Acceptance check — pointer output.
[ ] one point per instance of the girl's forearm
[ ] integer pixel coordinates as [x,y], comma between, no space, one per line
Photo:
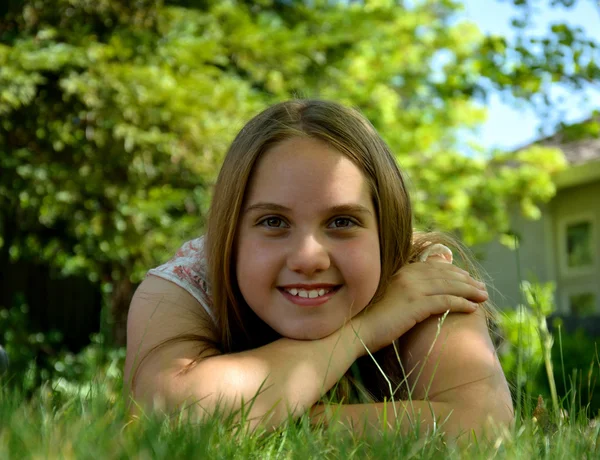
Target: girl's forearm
[378,417]
[282,378]
[399,416]
[453,419]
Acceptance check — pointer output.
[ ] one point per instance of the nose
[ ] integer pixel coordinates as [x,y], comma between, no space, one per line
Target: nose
[308,256]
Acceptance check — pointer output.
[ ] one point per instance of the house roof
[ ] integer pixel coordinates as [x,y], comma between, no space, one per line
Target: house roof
[580,142]
[580,174]
[576,152]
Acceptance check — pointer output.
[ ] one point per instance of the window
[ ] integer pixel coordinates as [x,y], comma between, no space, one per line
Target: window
[577,243]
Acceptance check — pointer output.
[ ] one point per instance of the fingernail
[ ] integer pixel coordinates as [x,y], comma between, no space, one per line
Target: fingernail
[480,284]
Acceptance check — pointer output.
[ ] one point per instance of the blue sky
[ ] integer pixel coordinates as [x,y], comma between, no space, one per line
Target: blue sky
[508,127]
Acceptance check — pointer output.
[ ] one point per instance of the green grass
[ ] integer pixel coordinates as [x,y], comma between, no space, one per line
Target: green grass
[94,424]
[66,419]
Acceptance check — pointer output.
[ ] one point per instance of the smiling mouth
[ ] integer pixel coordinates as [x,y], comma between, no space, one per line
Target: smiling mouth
[309,293]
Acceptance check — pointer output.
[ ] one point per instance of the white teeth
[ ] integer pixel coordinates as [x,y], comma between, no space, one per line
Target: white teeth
[312,294]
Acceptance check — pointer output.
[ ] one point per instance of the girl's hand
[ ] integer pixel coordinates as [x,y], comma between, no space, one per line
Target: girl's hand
[418,291]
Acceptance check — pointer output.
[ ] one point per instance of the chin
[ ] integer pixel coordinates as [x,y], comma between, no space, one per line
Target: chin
[313,334]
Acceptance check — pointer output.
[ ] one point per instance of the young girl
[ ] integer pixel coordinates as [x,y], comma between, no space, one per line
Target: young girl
[309,283]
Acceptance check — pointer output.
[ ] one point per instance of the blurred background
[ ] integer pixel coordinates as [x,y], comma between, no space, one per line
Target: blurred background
[115,116]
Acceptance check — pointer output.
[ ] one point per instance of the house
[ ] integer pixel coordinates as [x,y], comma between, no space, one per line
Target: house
[564,245]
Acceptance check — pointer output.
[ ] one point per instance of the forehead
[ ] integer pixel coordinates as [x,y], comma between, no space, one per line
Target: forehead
[305,170]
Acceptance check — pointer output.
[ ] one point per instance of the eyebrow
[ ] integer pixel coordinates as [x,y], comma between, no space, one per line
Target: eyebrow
[338,209]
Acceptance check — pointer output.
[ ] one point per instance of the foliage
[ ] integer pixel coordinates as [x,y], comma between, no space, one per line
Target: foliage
[564,55]
[114,117]
[577,369]
[39,359]
[589,129]
[520,342]
[527,341]
[31,354]
[95,368]
[562,366]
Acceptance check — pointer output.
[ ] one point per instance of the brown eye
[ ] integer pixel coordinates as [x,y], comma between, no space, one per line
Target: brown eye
[342,222]
[273,222]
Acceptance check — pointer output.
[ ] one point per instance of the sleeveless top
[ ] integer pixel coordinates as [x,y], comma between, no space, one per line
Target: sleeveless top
[188,269]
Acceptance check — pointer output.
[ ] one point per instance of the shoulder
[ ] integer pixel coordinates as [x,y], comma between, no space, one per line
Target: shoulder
[189,263]
[167,331]
[189,270]
[455,360]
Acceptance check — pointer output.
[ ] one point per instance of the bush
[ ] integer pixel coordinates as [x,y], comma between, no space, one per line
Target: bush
[521,352]
[95,367]
[576,371]
[31,354]
[532,357]
[40,360]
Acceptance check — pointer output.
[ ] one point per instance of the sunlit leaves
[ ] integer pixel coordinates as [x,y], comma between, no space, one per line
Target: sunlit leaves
[526,66]
[115,115]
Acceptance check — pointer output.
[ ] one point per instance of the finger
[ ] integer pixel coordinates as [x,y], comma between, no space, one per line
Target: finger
[443,264]
[440,251]
[453,287]
[431,263]
[445,267]
[431,270]
[444,303]
[440,304]
[437,258]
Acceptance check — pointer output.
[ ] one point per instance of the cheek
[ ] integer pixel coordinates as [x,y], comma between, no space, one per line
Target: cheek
[255,266]
[363,270]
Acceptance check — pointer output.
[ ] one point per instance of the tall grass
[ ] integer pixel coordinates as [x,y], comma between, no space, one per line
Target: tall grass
[91,421]
[94,425]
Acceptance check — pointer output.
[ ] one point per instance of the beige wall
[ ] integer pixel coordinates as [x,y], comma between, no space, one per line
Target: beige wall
[539,255]
[506,267]
[573,205]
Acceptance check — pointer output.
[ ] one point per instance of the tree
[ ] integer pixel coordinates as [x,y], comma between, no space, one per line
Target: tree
[564,55]
[115,115]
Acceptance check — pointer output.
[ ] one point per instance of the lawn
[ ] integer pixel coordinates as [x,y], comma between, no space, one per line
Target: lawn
[90,421]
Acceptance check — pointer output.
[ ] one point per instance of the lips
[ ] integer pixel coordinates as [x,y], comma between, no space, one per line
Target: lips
[309,295]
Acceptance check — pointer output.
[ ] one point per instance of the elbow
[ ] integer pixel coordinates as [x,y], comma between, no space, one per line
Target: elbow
[482,412]
[484,421]
[219,389]
[499,407]
[213,389]
[486,409]
[497,416]
[151,396]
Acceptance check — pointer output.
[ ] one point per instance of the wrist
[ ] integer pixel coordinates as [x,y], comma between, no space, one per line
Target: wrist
[317,415]
[354,337]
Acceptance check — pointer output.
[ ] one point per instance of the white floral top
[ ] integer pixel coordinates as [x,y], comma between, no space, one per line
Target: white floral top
[188,269]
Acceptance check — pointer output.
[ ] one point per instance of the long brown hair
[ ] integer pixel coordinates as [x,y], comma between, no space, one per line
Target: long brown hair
[349,133]
[346,130]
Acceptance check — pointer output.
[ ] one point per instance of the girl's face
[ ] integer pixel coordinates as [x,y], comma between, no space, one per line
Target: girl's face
[308,247]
